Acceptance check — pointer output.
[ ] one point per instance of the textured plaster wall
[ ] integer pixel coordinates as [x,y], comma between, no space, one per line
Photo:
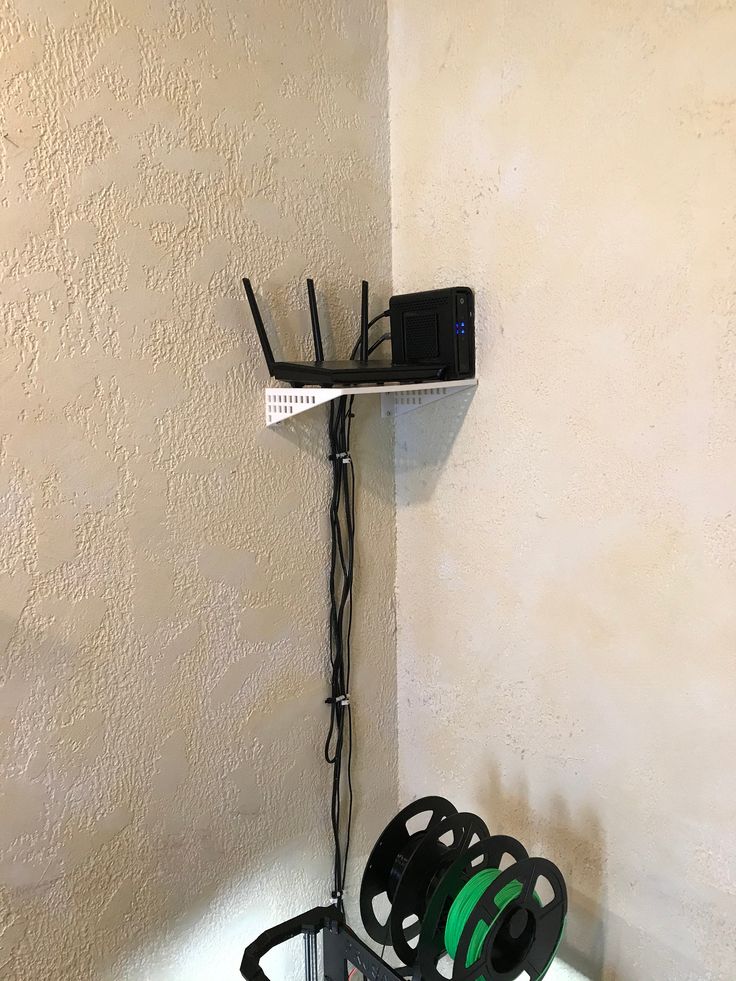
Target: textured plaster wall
[163,558]
[566,572]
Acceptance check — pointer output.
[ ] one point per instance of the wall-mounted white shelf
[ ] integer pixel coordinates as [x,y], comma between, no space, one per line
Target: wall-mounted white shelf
[284,403]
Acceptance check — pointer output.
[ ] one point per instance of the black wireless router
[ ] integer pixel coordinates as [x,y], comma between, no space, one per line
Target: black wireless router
[427,339]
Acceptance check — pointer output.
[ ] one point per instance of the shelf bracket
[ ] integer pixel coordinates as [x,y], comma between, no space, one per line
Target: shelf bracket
[399,403]
[284,403]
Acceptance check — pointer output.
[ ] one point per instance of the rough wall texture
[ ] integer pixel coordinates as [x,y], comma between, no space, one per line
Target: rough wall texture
[163,557]
[567,538]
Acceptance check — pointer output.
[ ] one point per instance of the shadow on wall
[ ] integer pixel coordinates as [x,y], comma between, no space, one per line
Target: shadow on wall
[370,446]
[575,843]
[419,462]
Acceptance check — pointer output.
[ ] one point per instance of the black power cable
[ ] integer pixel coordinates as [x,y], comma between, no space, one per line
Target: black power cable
[378,343]
[356,348]
[339,741]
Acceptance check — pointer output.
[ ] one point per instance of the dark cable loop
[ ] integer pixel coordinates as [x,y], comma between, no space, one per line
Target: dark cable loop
[375,320]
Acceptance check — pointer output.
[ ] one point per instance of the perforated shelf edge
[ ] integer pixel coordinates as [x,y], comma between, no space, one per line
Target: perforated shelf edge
[284,403]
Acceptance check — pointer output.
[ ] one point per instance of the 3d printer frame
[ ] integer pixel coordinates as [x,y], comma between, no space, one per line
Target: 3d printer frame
[340,947]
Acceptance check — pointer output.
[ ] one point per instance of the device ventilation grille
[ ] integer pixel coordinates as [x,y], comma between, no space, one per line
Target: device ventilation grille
[421,336]
[420,398]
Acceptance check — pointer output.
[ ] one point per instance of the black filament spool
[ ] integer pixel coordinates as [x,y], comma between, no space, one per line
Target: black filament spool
[426,867]
[390,857]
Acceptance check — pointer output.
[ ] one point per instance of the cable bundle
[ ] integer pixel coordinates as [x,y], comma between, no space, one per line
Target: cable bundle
[339,742]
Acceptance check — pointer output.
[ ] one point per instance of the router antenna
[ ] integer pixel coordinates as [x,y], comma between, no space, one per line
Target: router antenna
[364,322]
[261,330]
[316,333]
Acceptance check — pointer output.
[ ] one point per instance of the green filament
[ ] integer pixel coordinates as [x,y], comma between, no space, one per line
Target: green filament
[464,904]
[462,909]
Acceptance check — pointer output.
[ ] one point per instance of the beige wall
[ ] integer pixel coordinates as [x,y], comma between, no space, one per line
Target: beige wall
[565,538]
[566,578]
[162,556]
